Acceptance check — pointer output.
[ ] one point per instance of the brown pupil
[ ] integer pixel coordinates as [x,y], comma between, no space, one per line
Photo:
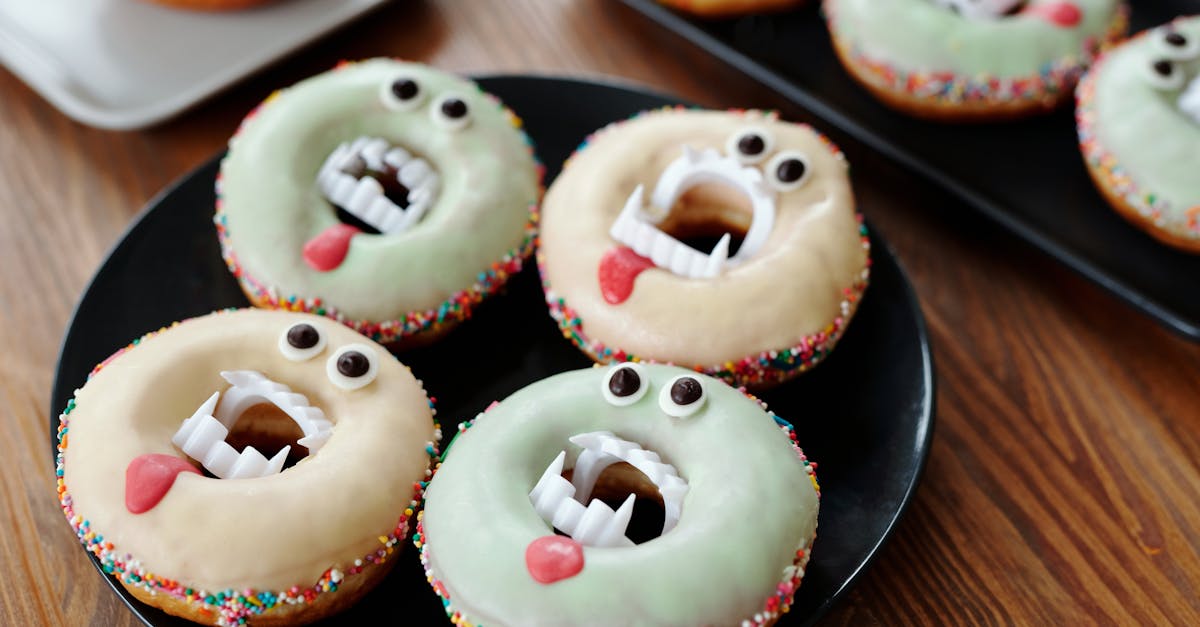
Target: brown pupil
[454,108]
[404,88]
[686,391]
[624,382]
[303,336]
[1176,39]
[353,364]
[790,170]
[751,145]
[1164,67]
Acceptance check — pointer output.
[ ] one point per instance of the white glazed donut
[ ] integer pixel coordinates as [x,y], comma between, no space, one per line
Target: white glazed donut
[624,283]
[251,539]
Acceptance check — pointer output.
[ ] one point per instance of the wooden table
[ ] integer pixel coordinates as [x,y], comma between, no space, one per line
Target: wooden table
[1064,482]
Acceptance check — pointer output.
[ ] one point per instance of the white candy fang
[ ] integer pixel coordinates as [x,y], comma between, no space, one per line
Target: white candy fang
[1189,100]
[343,182]
[561,503]
[635,226]
[202,436]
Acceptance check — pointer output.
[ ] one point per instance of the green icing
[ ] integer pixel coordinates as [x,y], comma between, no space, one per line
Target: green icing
[489,181]
[1152,139]
[919,36]
[749,506]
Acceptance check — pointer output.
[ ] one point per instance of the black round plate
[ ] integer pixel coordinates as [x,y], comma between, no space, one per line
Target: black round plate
[865,415]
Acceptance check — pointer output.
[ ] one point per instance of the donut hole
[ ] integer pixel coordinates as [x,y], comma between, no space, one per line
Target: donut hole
[706,212]
[615,484]
[393,189]
[268,429]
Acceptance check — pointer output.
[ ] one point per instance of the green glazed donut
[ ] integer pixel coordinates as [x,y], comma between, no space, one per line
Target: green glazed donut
[739,505]
[963,60]
[1138,116]
[387,195]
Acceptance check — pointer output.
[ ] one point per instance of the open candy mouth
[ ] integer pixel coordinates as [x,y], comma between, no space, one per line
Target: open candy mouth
[377,188]
[202,436]
[564,504]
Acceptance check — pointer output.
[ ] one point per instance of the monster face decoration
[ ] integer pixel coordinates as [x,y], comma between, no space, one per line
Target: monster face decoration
[379,193]
[518,527]
[704,238]
[1138,118]
[165,457]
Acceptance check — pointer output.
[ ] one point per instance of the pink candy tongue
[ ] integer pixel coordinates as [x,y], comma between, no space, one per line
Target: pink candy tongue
[148,477]
[1064,14]
[618,269]
[328,249]
[553,558]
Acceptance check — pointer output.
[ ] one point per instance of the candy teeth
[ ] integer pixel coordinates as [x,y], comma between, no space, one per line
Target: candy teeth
[561,503]
[343,183]
[635,227]
[1189,100]
[202,436]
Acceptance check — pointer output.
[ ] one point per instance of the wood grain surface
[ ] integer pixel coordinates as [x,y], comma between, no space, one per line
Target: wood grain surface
[1063,486]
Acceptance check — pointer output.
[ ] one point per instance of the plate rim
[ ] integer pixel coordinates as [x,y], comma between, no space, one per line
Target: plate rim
[926,422]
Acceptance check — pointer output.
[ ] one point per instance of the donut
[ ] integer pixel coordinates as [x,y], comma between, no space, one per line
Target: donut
[542,461]
[1138,117]
[386,195]
[161,476]
[731,8]
[639,260]
[972,60]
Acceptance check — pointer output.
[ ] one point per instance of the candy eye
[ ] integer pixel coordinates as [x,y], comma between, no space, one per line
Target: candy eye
[749,145]
[787,170]
[624,384]
[450,112]
[352,366]
[1176,46]
[402,94]
[1164,75]
[682,397]
[301,342]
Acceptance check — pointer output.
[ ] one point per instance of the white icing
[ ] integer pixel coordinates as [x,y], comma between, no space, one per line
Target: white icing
[300,354]
[343,182]
[561,503]
[732,148]
[980,9]
[352,383]
[622,401]
[671,408]
[445,121]
[202,436]
[390,100]
[1188,51]
[773,170]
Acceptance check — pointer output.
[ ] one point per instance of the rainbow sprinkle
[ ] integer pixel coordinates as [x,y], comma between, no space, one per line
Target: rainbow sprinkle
[1052,81]
[457,307]
[777,604]
[231,607]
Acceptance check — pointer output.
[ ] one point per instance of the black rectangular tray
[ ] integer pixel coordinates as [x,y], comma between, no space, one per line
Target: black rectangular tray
[1028,176]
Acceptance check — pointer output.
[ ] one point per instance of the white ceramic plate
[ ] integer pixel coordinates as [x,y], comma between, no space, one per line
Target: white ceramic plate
[126,64]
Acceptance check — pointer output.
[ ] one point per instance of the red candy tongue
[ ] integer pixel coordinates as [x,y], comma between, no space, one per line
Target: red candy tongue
[553,558]
[618,269]
[328,249]
[148,477]
[1064,14]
